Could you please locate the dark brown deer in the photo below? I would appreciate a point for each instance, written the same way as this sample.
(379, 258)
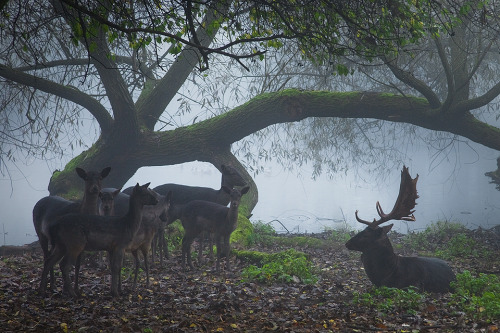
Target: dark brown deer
(382, 265)
(75, 233)
(48, 209)
(152, 217)
(182, 194)
(107, 202)
(204, 216)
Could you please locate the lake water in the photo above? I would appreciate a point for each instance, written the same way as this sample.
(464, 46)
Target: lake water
(455, 190)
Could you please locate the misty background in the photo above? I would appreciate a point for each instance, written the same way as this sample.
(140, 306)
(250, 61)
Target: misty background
(452, 187)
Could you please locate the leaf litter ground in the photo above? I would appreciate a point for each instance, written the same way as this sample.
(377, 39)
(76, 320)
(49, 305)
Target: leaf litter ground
(203, 301)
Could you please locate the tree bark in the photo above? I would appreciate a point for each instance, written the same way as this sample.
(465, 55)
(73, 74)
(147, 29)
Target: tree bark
(210, 140)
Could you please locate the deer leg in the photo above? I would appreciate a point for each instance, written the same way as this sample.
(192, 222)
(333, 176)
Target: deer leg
(146, 264)
(116, 265)
(66, 263)
(154, 243)
(218, 241)
(200, 247)
(136, 271)
(186, 251)
(211, 245)
(226, 252)
(44, 244)
(164, 242)
(48, 267)
(77, 272)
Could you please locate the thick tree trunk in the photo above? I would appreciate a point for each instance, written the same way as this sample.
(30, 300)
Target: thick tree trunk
(210, 140)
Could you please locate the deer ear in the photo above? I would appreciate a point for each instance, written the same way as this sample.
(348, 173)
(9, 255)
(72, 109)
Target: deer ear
(82, 173)
(105, 172)
(146, 185)
(116, 192)
(387, 228)
(245, 189)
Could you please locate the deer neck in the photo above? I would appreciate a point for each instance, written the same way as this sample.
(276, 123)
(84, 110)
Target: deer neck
(222, 197)
(134, 214)
(89, 204)
(380, 261)
(232, 214)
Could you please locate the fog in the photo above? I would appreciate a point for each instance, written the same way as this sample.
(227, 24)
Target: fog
(454, 189)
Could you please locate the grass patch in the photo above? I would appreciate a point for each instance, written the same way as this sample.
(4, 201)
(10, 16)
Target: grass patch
(387, 300)
(478, 297)
(445, 240)
(285, 266)
(263, 233)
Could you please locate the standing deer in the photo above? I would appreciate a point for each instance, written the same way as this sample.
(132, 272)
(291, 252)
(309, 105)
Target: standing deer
(182, 194)
(48, 209)
(152, 217)
(382, 265)
(107, 202)
(204, 216)
(75, 233)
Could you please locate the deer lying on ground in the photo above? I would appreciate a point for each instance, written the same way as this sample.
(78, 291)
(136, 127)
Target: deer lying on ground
(48, 209)
(198, 216)
(183, 194)
(382, 265)
(75, 233)
(152, 217)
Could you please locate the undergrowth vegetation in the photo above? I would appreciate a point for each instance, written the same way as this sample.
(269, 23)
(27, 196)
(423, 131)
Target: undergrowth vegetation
(386, 300)
(476, 295)
(284, 266)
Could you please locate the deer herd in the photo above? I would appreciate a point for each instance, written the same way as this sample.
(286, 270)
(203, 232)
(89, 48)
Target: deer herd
(133, 220)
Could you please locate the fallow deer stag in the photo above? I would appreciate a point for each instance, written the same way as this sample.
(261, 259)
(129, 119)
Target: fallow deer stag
(382, 265)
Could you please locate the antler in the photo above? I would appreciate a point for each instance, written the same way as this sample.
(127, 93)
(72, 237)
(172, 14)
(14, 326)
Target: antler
(403, 208)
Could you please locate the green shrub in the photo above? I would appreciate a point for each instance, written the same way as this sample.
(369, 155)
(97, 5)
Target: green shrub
(479, 297)
(341, 235)
(435, 236)
(173, 234)
(460, 245)
(387, 300)
(286, 266)
(243, 231)
(262, 234)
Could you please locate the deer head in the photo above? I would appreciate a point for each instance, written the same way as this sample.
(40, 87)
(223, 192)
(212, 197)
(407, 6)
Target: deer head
(374, 236)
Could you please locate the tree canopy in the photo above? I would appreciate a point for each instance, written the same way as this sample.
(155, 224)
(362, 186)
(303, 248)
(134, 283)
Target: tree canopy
(125, 63)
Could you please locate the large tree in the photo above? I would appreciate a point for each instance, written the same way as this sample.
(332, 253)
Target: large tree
(124, 63)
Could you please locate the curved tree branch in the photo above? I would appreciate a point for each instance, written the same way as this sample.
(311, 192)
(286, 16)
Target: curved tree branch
(293, 105)
(93, 106)
(413, 82)
(116, 89)
(71, 62)
(151, 107)
(449, 75)
(477, 102)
